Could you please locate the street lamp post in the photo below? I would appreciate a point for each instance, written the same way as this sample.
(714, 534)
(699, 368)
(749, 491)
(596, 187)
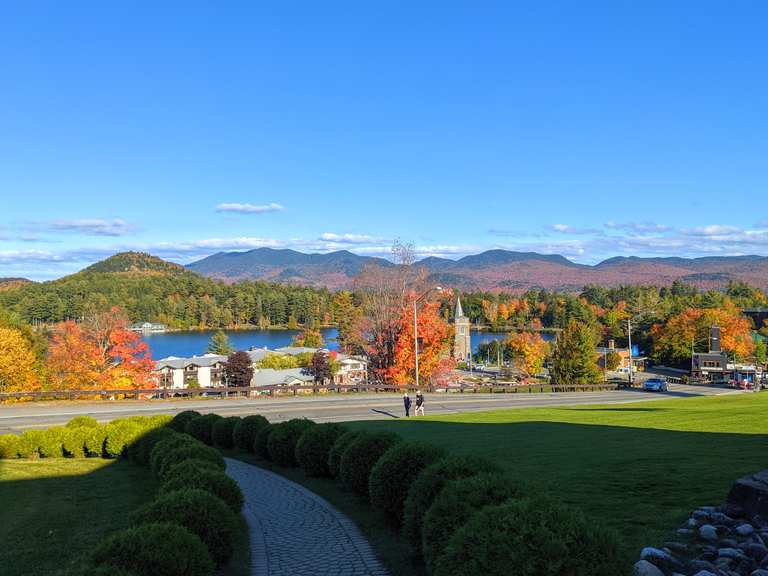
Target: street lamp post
(416, 330)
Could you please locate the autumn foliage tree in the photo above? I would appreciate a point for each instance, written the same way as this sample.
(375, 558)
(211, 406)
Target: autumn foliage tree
(674, 340)
(574, 358)
(529, 350)
(434, 342)
(99, 353)
(18, 364)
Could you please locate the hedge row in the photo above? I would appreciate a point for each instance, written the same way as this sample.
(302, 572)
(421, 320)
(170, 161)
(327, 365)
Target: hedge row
(82, 437)
(462, 514)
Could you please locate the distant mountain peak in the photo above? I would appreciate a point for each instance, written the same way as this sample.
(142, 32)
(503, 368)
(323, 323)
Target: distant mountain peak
(135, 262)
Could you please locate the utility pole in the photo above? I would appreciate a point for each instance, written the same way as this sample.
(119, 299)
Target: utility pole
(629, 336)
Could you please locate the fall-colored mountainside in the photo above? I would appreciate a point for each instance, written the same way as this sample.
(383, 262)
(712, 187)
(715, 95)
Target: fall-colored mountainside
(11, 283)
(135, 262)
(494, 270)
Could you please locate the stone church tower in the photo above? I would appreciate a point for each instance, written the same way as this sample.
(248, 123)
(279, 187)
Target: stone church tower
(461, 343)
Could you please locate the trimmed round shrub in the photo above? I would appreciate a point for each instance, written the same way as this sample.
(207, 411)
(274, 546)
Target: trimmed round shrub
(120, 434)
(334, 454)
(195, 451)
(530, 538)
(203, 477)
(142, 447)
(201, 428)
(165, 447)
(94, 440)
(314, 445)
(51, 442)
(179, 421)
(9, 446)
(245, 431)
(394, 473)
(430, 482)
(201, 513)
(155, 550)
(159, 420)
(456, 504)
(223, 431)
(262, 438)
(82, 422)
(29, 444)
(73, 441)
(282, 442)
(361, 456)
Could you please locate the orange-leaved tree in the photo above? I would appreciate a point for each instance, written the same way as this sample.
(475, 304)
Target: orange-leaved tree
(434, 342)
(530, 350)
(99, 353)
(18, 364)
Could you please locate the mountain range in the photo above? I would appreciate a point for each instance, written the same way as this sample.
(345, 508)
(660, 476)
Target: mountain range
(493, 270)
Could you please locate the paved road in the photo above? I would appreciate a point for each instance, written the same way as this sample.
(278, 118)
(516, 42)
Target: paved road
(18, 417)
(294, 532)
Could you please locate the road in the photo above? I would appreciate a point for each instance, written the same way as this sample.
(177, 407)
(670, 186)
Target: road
(19, 417)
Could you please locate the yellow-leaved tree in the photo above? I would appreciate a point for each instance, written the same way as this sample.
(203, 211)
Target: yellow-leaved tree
(18, 364)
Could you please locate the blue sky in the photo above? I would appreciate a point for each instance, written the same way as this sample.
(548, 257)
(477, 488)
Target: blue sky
(590, 129)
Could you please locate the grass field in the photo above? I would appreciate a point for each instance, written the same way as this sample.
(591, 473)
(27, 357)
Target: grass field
(54, 510)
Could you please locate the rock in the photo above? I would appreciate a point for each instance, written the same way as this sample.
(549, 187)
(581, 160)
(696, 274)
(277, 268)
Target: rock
(708, 532)
(729, 553)
(685, 532)
(660, 558)
(645, 568)
(759, 572)
(702, 566)
(750, 494)
(744, 529)
(756, 551)
(728, 543)
(704, 573)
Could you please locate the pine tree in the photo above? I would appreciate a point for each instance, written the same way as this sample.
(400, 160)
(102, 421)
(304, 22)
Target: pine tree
(574, 358)
(219, 344)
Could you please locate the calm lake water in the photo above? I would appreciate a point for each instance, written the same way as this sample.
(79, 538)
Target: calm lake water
(190, 343)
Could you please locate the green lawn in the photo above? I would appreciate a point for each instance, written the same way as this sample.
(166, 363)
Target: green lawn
(54, 510)
(639, 468)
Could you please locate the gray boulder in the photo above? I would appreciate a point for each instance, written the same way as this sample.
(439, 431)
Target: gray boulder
(750, 495)
(645, 568)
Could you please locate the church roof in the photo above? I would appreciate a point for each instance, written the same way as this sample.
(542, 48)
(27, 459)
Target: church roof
(459, 312)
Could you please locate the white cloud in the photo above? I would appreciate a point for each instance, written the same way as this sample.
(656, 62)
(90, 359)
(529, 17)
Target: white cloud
(644, 227)
(348, 238)
(566, 229)
(89, 226)
(711, 230)
(238, 208)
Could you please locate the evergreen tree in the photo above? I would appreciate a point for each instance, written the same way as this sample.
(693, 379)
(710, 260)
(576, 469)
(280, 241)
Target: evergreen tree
(574, 357)
(219, 344)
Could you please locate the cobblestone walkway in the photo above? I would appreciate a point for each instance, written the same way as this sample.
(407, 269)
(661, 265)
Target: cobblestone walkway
(294, 532)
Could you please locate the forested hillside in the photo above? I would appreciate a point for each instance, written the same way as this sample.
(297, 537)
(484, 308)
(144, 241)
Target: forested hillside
(148, 288)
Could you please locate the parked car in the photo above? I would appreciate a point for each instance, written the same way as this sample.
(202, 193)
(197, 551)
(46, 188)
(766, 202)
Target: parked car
(655, 385)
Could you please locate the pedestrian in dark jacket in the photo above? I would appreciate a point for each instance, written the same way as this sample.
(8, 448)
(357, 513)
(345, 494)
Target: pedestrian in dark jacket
(407, 404)
(419, 403)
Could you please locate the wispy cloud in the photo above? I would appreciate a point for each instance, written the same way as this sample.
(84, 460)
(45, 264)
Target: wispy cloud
(567, 229)
(641, 227)
(238, 208)
(349, 238)
(712, 230)
(762, 223)
(86, 226)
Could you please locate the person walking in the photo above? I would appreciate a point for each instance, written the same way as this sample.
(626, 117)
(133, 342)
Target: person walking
(407, 404)
(419, 403)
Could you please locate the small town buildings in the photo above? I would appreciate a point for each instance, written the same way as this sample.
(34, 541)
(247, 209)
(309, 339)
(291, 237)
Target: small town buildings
(147, 327)
(638, 362)
(462, 346)
(710, 366)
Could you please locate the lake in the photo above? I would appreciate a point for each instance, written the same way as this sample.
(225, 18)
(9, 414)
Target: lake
(194, 342)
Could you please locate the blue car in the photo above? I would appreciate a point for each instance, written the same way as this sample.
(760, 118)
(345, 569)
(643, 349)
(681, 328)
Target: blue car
(655, 385)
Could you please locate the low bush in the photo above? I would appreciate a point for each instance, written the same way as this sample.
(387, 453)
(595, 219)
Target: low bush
(192, 451)
(9, 446)
(430, 482)
(198, 474)
(223, 431)
(51, 442)
(73, 441)
(361, 456)
(282, 441)
(245, 431)
(82, 422)
(394, 473)
(94, 440)
(179, 421)
(334, 454)
(141, 448)
(314, 445)
(155, 550)
(201, 428)
(29, 444)
(120, 434)
(199, 512)
(260, 447)
(530, 538)
(166, 446)
(454, 506)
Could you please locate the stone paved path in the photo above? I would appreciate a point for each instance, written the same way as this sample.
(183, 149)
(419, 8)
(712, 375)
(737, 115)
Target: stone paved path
(294, 532)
